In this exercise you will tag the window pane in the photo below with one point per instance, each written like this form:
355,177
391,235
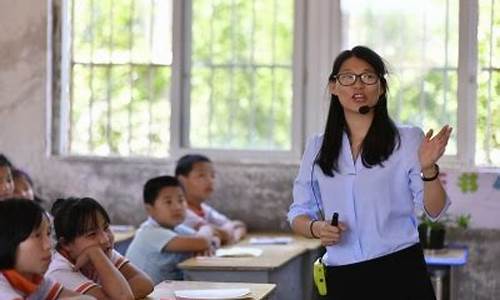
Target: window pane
488,108
120,77
419,40
241,74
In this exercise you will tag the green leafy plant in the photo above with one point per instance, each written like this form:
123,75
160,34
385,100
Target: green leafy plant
432,233
462,221
439,224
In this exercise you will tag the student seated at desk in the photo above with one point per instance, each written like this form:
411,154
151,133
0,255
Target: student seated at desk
25,253
6,181
23,185
161,242
197,175
85,260
18,185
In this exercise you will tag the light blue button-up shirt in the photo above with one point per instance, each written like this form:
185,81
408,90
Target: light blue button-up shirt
377,204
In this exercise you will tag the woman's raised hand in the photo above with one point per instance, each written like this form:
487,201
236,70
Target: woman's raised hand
433,147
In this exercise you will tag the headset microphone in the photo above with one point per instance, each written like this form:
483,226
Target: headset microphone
365,109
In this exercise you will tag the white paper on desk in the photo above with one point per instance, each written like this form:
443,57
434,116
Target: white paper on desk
238,252
212,294
269,240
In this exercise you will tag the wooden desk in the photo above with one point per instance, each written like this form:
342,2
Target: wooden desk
288,266
165,290
442,265
122,232
313,251
123,236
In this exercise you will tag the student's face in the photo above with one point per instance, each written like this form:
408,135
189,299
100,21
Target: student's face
199,183
98,235
169,208
34,253
6,183
359,94
23,189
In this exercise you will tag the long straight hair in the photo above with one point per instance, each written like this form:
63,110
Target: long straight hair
382,136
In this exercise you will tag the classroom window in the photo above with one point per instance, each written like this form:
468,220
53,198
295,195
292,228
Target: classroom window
488,93
230,78
241,74
119,77
119,70
420,40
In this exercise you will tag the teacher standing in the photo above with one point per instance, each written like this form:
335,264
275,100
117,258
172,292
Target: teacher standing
373,174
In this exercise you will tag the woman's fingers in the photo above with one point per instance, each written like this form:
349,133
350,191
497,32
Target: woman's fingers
331,235
428,135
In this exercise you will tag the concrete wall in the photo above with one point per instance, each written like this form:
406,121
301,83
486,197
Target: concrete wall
256,193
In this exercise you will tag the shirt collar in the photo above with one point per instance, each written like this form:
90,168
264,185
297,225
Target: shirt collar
21,283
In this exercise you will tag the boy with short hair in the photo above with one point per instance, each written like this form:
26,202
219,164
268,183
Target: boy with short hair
161,242
197,175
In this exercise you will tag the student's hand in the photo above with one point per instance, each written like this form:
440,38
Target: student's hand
209,252
432,148
224,234
328,234
84,259
216,242
239,230
198,225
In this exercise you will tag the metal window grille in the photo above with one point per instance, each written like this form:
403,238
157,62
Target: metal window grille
488,106
119,81
419,40
241,75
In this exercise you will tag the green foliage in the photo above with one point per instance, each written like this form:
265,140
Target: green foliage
439,224
120,101
245,98
468,182
462,221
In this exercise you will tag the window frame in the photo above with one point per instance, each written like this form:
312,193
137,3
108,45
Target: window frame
316,23
181,93
466,87
179,101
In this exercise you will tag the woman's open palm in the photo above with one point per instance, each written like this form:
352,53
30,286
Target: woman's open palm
433,147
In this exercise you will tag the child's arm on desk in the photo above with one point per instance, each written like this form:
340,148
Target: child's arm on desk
235,230
231,232
113,283
140,283
200,242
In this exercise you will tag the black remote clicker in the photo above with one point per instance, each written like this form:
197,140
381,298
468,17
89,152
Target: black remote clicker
335,219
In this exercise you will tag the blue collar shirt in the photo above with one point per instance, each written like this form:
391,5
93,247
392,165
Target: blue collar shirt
377,204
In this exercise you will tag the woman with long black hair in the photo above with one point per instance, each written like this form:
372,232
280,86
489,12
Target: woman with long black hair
373,174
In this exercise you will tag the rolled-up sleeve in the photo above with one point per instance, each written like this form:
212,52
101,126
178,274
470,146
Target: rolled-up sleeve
416,183
305,202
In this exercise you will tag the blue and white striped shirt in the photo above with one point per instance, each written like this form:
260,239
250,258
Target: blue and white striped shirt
377,204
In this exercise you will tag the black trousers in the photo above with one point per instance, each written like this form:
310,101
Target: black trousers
398,276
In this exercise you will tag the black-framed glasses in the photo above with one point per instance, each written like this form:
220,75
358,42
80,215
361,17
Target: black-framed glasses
347,79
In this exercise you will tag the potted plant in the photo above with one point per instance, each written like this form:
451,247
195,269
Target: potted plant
432,234
462,221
